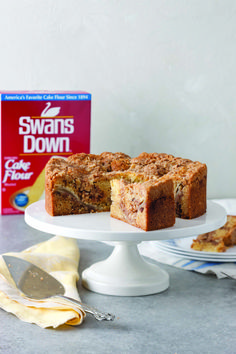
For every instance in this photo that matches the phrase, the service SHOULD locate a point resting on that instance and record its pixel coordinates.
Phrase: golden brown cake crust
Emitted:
(218, 240)
(82, 183)
(189, 177)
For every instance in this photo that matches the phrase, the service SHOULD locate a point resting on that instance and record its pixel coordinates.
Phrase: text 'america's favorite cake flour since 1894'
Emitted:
(34, 127)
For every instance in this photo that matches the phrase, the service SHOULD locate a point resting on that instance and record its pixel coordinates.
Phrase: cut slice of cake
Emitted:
(145, 203)
(218, 240)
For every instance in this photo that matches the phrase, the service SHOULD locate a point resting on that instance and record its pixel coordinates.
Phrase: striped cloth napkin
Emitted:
(220, 269)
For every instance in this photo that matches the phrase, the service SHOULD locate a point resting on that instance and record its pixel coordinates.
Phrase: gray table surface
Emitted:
(195, 315)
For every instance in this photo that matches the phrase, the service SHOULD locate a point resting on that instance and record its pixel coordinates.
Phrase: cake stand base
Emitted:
(125, 273)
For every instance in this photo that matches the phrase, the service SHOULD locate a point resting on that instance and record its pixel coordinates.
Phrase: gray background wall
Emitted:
(161, 73)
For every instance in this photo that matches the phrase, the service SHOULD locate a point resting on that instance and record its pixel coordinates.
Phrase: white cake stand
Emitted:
(124, 272)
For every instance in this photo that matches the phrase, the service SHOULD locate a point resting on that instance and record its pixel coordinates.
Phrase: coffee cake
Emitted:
(147, 191)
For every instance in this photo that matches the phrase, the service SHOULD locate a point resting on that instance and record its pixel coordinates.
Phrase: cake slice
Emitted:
(142, 202)
(218, 240)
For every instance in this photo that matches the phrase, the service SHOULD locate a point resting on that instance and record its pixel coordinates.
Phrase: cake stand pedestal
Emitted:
(125, 272)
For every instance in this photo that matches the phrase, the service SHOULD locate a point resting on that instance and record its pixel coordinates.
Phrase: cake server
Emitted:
(37, 284)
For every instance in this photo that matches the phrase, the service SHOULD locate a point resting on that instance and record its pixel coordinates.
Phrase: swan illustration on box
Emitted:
(50, 112)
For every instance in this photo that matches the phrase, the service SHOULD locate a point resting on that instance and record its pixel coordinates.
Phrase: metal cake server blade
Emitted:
(37, 284)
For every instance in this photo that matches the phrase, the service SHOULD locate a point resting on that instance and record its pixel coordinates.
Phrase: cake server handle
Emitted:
(100, 316)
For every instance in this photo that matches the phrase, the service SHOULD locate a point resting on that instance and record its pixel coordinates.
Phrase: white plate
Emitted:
(203, 258)
(221, 257)
(183, 245)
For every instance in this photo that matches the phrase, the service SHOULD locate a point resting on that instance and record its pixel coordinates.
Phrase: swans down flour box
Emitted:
(34, 127)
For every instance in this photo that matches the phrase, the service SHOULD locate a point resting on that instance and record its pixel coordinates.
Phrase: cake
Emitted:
(189, 179)
(218, 240)
(81, 183)
(144, 202)
(147, 191)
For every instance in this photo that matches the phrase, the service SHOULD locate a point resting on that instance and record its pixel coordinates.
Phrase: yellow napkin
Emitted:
(58, 256)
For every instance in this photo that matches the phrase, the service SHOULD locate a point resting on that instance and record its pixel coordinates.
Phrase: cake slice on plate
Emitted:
(218, 240)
